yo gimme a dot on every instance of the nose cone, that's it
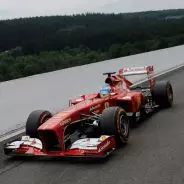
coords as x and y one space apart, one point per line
56 121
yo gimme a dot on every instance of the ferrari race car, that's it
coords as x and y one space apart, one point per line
93 125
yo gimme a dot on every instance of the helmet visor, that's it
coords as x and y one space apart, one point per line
105 91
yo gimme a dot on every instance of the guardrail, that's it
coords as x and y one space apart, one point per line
21 130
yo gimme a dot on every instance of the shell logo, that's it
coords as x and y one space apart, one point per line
103 137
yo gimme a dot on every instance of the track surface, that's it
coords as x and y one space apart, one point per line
154 155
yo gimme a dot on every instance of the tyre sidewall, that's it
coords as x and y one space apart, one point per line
35 120
122 137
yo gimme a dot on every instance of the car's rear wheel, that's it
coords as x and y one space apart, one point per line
35 119
163 94
114 121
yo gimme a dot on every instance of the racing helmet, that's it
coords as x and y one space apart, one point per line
105 91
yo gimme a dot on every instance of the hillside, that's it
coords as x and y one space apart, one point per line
40 44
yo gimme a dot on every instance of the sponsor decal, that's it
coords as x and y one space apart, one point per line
85 144
134 69
67 121
25 138
104 146
107 105
103 137
57 117
93 108
127 98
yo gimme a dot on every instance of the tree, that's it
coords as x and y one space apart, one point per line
115 50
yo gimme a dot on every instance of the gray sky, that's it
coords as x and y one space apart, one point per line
26 8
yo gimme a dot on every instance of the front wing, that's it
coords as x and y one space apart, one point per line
88 147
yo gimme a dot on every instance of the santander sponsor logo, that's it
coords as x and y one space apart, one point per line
104 146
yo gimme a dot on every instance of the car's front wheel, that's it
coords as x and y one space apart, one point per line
114 121
35 119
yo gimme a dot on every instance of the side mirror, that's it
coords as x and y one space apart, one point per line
70 103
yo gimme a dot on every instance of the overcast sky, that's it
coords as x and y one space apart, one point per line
26 8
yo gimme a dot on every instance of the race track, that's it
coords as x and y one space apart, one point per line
154 155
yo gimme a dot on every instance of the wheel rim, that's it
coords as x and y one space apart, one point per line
123 126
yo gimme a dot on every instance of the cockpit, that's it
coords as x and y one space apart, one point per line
105 91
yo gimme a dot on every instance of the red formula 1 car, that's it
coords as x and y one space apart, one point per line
95 124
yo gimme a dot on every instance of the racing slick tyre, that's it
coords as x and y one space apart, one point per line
163 94
114 121
35 119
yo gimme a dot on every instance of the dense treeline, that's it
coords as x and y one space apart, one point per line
35 45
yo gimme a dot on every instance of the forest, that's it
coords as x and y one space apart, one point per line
36 45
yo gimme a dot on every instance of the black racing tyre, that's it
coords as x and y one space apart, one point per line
114 121
35 119
163 94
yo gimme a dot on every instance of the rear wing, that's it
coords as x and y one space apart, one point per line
149 70
136 70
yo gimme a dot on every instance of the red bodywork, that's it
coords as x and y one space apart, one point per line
121 95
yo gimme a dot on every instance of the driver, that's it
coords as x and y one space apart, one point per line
105 91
